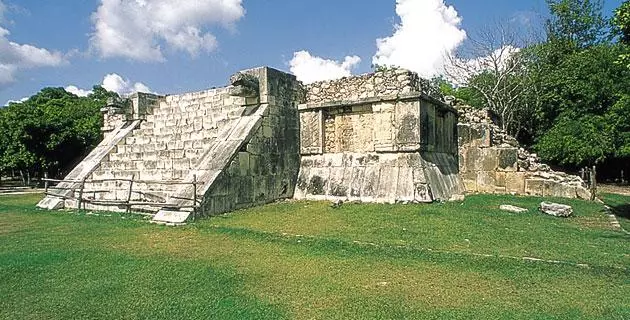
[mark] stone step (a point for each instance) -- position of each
(182, 109)
(176, 143)
(158, 155)
(145, 174)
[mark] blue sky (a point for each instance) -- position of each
(169, 46)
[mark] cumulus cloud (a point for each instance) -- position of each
(115, 83)
(15, 57)
(137, 29)
(428, 29)
(309, 69)
(78, 91)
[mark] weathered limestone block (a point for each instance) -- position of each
(508, 159)
(486, 181)
(407, 126)
(556, 209)
(535, 187)
(311, 124)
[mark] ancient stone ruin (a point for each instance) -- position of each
(491, 161)
(383, 137)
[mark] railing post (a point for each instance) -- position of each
(194, 197)
(46, 182)
(80, 200)
(594, 183)
(129, 194)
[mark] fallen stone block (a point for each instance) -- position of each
(556, 209)
(511, 208)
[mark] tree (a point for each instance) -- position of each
(621, 22)
(465, 94)
(573, 142)
(48, 131)
(492, 66)
(579, 88)
(621, 28)
(577, 23)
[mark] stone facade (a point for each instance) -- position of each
(380, 137)
(491, 161)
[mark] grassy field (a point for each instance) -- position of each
(305, 260)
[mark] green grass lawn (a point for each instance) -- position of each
(305, 260)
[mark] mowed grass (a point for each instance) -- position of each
(305, 260)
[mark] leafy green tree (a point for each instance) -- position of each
(577, 23)
(579, 89)
(465, 94)
(582, 141)
(618, 118)
(50, 130)
(621, 22)
(621, 28)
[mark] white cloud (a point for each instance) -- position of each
(15, 57)
(115, 83)
(309, 69)
(428, 29)
(137, 29)
(16, 101)
(77, 91)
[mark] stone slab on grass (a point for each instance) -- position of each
(556, 209)
(511, 208)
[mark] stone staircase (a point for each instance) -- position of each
(226, 148)
(168, 144)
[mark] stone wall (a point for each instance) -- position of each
(383, 83)
(491, 161)
(266, 167)
(381, 137)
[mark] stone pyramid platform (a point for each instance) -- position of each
(215, 150)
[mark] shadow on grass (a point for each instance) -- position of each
(620, 207)
(621, 211)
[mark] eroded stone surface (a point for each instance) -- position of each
(381, 137)
(491, 161)
(556, 209)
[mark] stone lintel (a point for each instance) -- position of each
(394, 98)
